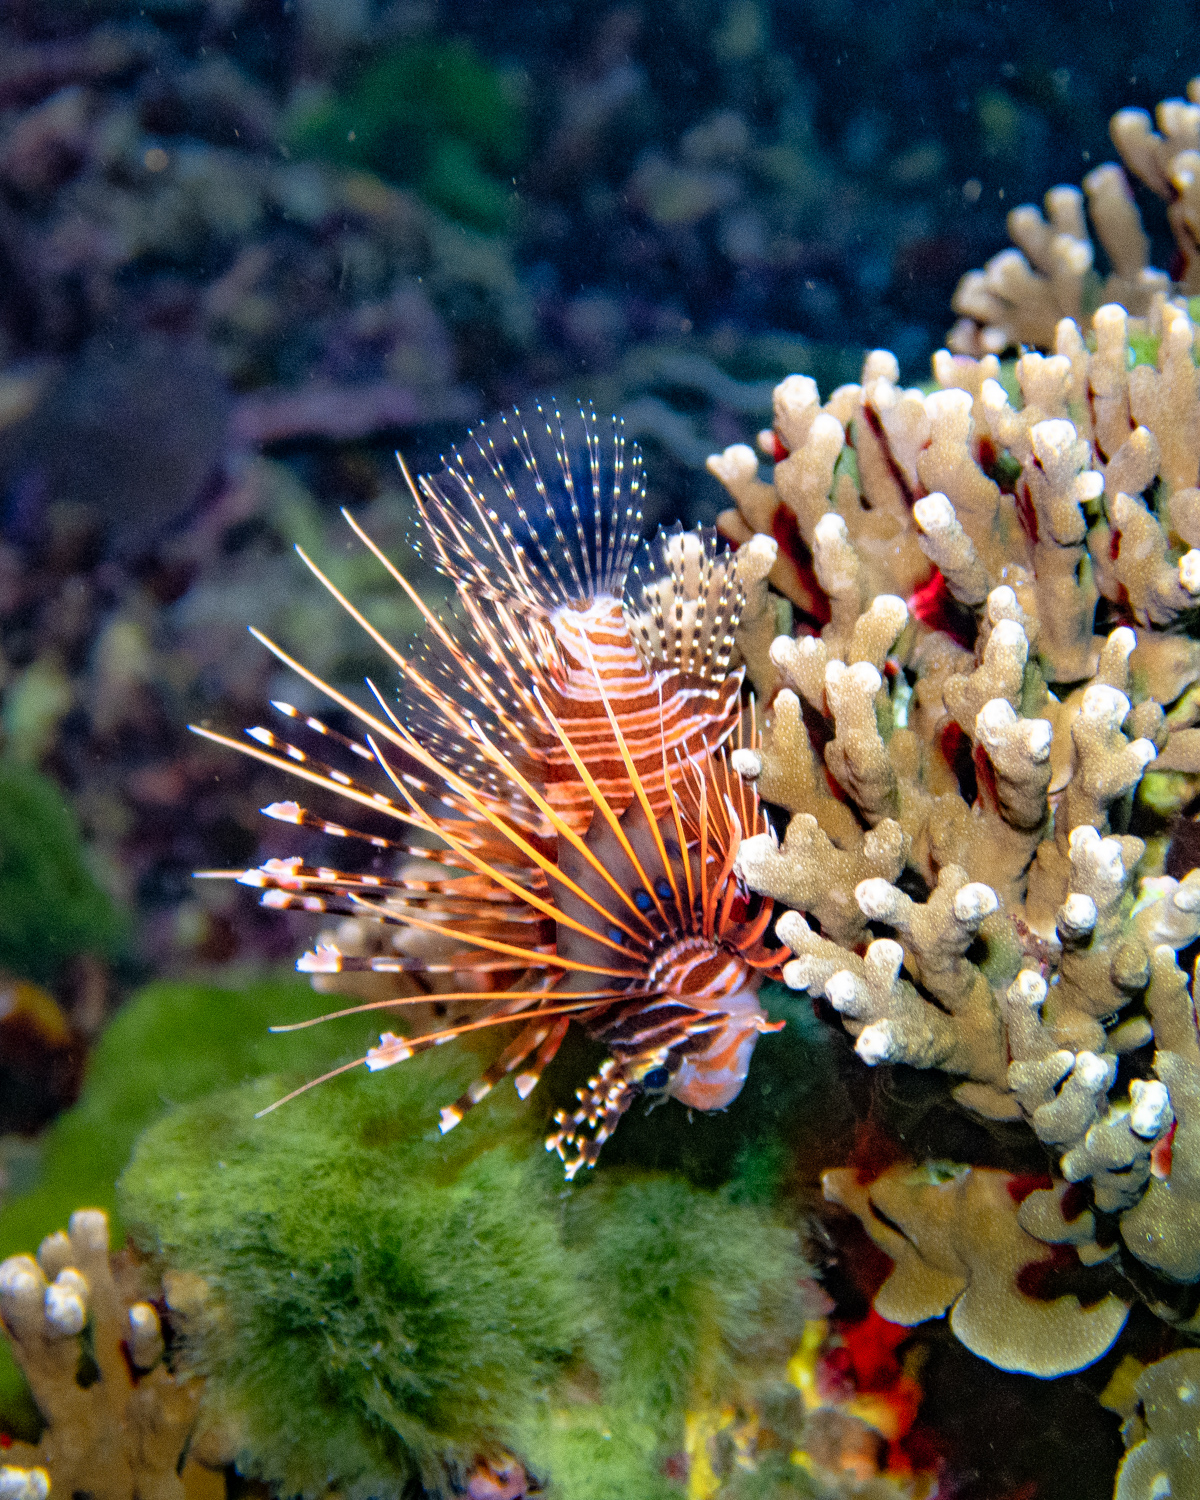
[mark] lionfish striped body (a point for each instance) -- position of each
(538, 531)
(555, 758)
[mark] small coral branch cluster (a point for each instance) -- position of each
(85, 1331)
(568, 822)
(981, 732)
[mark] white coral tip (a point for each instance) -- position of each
(841, 990)
(1089, 486)
(1002, 605)
(792, 929)
(1093, 1072)
(865, 677)
(1030, 987)
(992, 396)
(1124, 640)
(1150, 1107)
(747, 764)
(795, 393)
(1009, 635)
(66, 1307)
(830, 528)
(1144, 750)
(1039, 736)
(883, 960)
(145, 1336)
(1189, 572)
(876, 1044)
(88, 1228)
(735, 465)
(889, 607)
(756, 558)
(1052, 438)
(996, 715)
(974, 902)
(1077, 914)
(876, 898)
(797, 974)
(934, 513)
(20, 1278)
(1104, 704)
(23, 1484)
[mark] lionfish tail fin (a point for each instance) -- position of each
(683, 603)
(536, 510)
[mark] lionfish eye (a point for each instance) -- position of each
(641, 899)
(656, 1078)
(663, 887)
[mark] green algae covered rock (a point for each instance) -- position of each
(429, 113)
(169, 1044)
(51, 908)
(383, 1303)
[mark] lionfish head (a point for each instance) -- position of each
(565, 821)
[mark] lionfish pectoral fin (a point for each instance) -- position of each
(536, 1035)
(391, 1050)
(601, 1104)
(527, 1081)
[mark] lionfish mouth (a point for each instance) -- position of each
(566, 825)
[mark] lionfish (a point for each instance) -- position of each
(556, 757)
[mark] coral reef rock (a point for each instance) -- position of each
(984, 732)
(1164, 1453)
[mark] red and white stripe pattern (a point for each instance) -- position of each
(555, 752)
(601, 667)
(640, 930)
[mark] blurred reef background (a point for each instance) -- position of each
(248, 250)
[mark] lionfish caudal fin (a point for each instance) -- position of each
(639, 930)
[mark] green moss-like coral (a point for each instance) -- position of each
(51, 908)
(388, 1304)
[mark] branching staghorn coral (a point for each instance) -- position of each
(89, 1341)
(1022, 293)
(982, 730)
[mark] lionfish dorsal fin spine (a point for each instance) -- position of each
(638, 788)
(495, 514)
(605, 809)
